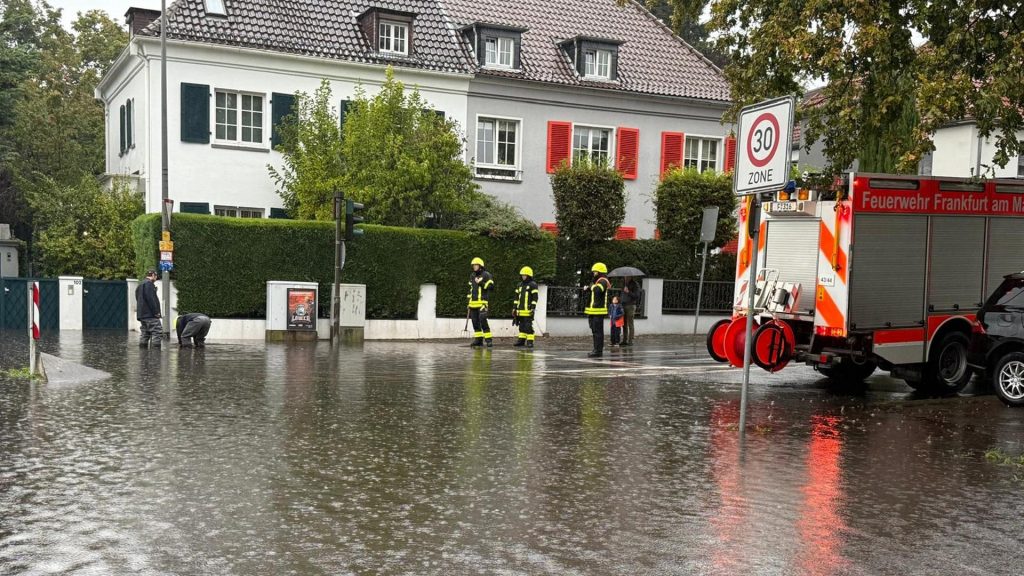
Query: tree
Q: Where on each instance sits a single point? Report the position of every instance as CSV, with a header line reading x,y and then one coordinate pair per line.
x,y
311,144
684,18
590,201
84,228
403,160
680,200
971,64
489,217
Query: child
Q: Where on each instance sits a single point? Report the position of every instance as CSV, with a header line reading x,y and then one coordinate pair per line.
x,y
616,314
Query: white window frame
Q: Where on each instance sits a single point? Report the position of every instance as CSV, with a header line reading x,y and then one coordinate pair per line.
x,y
499,44
392,38
264,142
486,170
237,211
590,151
592,68
702,139
216,7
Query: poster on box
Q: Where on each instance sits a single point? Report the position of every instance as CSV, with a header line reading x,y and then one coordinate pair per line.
x,y
301,309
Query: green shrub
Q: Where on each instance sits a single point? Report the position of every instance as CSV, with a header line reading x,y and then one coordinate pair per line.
x,y
590,201
222,264
680,200
656,258
495,219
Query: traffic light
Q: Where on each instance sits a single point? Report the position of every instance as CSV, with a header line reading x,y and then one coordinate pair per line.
x,y
352,219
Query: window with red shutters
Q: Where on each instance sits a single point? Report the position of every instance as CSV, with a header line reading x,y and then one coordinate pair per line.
x,y
559,144
671,151
730,153
627,151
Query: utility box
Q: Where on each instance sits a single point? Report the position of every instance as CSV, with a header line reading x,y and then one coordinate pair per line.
x,y
292,311
8,253
352,312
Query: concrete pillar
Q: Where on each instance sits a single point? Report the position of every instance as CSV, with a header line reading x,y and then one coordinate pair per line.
x,y
69,293
133,324
654,294
540,317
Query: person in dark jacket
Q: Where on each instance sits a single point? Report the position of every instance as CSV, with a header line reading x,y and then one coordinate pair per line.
x,y
147,311
192,329
630,299
480,286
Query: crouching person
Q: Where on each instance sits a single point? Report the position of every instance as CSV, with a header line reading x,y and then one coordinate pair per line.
x,y
192,329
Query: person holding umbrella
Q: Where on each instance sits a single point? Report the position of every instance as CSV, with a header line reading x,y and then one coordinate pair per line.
x,y
630,299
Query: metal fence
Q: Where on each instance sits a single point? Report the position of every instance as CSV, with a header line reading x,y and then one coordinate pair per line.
x,y
14,303
571,300
680,297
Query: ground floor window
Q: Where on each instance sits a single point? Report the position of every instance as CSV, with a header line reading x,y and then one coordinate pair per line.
x,y
237,212
497,148
591,143
701,154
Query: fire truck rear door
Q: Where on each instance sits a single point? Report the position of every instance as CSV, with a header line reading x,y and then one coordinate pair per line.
x,y
791,248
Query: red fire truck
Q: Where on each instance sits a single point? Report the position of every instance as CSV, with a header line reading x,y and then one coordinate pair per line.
x,y
879,271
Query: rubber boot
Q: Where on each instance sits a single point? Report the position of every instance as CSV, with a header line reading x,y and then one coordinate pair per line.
x,y
519,343
594,354
185,343
477,343
489,343
529,344
200,343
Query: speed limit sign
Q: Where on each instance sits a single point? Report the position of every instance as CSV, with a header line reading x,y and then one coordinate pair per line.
x,y
763,146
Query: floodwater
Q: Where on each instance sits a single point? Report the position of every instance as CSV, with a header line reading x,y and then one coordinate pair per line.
x,y
428,458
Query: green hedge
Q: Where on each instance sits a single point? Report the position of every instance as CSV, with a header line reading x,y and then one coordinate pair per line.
x,y
223,264
657,258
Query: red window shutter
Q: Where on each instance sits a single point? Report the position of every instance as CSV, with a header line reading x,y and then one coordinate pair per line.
x,y
549,227
730,153
627,151
559,144
671,151
626,233
657,234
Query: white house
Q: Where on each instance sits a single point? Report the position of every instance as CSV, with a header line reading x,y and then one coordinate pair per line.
x,y
531,83
961,151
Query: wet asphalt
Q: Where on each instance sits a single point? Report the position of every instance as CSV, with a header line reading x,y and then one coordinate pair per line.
x,y
432,458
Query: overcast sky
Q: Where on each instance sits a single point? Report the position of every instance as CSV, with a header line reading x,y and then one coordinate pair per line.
x,y
116,8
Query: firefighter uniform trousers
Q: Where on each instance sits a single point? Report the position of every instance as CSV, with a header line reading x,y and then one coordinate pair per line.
x,y
480,286
525,308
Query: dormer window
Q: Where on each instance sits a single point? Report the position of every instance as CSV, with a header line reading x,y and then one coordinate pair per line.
x,y
598,64
393,37
216,8
499,52
593,58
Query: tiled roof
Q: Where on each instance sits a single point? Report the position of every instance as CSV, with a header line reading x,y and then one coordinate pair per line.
x,y
319,28
651,59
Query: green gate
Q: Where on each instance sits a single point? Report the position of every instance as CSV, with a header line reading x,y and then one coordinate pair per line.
x,y
14,304
105,305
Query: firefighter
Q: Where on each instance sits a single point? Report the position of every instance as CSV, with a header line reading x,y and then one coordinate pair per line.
x,y
525,307
192,330
480,286
598,307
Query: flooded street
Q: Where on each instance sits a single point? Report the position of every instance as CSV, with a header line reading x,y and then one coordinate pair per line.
x,y
430,458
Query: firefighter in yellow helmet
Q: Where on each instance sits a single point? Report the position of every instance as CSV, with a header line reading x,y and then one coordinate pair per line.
x,y
480,287
525,307
597,307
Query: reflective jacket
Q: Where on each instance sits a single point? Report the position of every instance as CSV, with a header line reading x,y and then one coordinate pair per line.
x,y
598,297
526,298
480,286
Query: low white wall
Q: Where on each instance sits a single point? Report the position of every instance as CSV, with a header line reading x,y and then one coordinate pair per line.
x,y
674,324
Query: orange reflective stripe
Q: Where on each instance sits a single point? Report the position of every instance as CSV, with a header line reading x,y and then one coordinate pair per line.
x,y
826,245
827,309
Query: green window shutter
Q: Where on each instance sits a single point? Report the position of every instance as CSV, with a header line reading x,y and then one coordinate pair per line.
x,y
280,213
440,114
195,113
194,207
281,105
122,149
342,111
129,124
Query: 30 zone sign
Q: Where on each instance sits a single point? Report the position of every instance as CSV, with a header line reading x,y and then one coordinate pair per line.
x,y
763,147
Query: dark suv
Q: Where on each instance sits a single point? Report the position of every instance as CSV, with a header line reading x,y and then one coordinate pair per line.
x,y
997,346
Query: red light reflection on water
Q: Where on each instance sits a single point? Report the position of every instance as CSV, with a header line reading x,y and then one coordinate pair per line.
x,y
821,524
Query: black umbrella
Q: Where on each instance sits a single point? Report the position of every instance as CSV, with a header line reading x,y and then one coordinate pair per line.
x,y
623,271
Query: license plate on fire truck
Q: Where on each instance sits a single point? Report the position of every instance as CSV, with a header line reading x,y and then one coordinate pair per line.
x,y
775,207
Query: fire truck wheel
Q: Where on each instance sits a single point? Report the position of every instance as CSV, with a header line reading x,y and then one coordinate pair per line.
x,y
947,371
1008,379
849,374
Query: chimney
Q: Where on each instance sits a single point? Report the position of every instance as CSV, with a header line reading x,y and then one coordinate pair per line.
x,y
139,18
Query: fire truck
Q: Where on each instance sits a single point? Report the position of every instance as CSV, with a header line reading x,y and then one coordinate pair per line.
x,y
875,271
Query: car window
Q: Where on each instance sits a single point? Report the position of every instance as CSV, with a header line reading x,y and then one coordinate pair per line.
x,y
1009,295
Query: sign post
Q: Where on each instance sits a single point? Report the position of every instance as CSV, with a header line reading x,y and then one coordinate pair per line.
x,y
765,137
708,226
33,325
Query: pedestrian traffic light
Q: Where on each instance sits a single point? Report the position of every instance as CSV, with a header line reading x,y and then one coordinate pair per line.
x,y
353,217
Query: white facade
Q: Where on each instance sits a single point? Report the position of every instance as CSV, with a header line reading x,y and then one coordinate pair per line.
x,y
222,174
960,152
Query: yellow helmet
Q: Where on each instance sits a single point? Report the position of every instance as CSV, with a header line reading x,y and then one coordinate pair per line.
x,y
526,271
477,261
599,267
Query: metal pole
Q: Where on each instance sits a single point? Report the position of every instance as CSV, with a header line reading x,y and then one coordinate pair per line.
x,y
166,276
339,255
31,332
700,288
755,206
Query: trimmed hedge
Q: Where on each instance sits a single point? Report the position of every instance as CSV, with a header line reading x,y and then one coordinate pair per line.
x,y
657,258
223,264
